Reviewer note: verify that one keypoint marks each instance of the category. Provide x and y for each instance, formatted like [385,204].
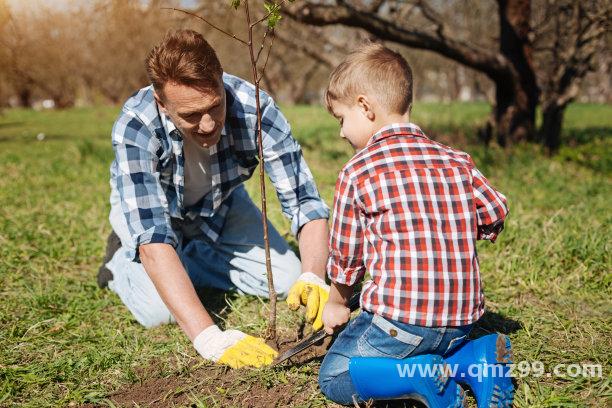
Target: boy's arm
[345,263]
[491,207]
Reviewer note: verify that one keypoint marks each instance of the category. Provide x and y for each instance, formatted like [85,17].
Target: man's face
[199,114]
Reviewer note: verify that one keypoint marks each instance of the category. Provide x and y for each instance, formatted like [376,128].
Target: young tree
[255,50]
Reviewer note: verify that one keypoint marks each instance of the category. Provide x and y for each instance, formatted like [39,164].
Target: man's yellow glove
[313,292]
[233,347]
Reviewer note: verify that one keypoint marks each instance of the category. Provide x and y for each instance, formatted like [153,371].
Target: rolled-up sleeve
[143,201]
[491,207]
[288,171]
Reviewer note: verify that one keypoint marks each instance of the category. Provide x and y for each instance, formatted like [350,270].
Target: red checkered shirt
[408,211]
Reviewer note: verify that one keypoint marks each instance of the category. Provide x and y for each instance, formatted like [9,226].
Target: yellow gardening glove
[233,347]
[311,291]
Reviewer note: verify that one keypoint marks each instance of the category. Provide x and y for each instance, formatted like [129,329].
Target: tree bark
[511,68]
[516,94]
[552,122]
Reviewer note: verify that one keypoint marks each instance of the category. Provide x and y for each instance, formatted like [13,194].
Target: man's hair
[375,71]
[184,57]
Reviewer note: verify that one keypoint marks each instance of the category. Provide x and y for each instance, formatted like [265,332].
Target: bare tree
[418,24]
[570,34]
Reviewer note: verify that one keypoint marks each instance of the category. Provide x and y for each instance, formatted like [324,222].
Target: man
[183,148]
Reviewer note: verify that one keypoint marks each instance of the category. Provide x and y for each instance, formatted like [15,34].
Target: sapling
[271,18]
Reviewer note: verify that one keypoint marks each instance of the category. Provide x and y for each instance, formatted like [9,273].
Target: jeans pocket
[454,343]
[384,339]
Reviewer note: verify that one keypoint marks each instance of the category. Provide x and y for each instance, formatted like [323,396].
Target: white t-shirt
[198,180]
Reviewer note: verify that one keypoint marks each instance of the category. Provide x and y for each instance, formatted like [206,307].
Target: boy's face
[355,126]
[198,114]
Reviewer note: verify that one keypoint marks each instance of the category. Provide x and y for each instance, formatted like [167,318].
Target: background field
[65,342]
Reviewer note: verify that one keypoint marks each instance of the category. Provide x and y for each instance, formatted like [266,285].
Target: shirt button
[393,333]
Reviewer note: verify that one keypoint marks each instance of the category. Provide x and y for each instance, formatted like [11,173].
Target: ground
[64,342]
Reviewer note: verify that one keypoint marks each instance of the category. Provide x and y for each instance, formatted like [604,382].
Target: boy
[408,211]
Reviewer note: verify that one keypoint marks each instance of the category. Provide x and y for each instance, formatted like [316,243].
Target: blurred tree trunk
[573,33]
[510,68]
[509,60]
[517,93]
[25,98]
[552,119]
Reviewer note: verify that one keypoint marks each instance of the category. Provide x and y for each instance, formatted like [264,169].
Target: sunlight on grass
[62,340]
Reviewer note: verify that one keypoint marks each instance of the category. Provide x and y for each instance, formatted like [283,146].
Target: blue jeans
[370,335]
[236,261]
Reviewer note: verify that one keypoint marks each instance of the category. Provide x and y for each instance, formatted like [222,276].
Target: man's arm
[170,278]
[144,204]
[313,247]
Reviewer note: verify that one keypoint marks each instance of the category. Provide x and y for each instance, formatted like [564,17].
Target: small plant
[271,19]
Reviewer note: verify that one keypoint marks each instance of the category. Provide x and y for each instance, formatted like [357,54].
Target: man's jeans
[235,262]
[370,335]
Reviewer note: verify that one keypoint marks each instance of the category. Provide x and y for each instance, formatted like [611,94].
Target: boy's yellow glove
[311,291]
[233,347]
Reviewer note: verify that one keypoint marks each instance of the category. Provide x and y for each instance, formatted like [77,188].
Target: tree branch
[264,18]
[492,64]
[207,22]
[267,57]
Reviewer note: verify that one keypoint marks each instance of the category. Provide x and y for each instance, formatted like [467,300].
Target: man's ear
[365,106]
[160,102]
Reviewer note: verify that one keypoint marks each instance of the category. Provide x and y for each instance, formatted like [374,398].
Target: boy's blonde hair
[376,71]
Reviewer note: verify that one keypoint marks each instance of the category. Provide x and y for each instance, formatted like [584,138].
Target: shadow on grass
[579,136]
[216,302]
[492,322]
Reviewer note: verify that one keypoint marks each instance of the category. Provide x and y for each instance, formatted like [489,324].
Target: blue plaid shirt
[148,170]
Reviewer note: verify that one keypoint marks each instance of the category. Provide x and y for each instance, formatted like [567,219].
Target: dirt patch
[290,384]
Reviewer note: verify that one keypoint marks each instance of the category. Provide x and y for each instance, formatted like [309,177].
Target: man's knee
[153,316]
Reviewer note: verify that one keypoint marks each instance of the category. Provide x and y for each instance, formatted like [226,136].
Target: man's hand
[334,316]
[233,347]
[311,291]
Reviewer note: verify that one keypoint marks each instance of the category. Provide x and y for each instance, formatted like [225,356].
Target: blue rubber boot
[483,365]
[422,378]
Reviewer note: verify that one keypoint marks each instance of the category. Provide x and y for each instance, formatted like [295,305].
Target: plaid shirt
[408,211]
[148,170]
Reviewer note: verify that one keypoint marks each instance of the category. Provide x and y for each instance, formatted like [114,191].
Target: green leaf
[235,4]
[274,10]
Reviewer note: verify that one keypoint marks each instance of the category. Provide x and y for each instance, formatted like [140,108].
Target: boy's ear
[366,107]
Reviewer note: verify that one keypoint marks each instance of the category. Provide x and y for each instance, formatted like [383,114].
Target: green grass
[63,341]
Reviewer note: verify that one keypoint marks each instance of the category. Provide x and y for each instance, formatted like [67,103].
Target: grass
[63,342]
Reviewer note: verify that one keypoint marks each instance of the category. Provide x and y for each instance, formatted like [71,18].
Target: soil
[222,386]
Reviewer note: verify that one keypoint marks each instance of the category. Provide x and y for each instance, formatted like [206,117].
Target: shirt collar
[168,125]
[395,129]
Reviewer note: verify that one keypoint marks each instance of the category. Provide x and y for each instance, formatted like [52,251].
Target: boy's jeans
[235,262]
[370,335]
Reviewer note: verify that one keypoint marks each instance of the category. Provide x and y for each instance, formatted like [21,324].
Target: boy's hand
[312,292]
[334,316]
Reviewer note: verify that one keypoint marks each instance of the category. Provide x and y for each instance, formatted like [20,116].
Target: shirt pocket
[384,339]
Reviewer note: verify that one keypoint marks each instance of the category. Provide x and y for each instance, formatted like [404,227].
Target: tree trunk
[517,91]
[552,122]
[25,98]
